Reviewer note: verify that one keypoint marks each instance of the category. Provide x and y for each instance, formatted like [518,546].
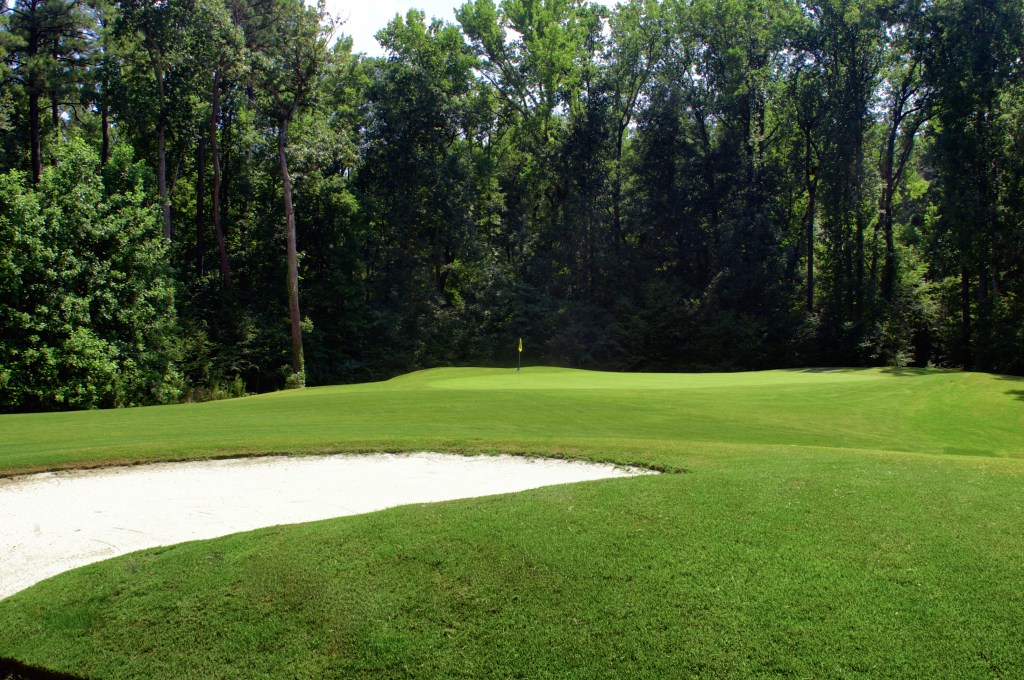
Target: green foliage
[972,62]
[715,183]
[295,381]
[87,308]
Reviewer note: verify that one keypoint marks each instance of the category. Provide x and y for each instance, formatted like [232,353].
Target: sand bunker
[53,522]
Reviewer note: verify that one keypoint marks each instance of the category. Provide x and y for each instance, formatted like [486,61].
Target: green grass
[655,419]
[837,523]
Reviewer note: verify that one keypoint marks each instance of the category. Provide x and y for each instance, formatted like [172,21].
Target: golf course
[807,523]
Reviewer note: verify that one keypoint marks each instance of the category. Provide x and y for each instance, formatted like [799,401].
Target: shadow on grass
[12,669]
[1018,394]
[907,372]
[899,371]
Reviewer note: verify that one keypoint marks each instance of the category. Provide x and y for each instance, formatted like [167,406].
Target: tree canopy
[662,185]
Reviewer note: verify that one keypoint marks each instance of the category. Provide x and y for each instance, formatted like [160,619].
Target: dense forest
[201,198]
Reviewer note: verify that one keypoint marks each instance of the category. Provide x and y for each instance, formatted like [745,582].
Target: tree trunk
[812,188]
[161,153]
[617,236]
[859,226]
[709,179]
[200,206]
[105,99]
[893,164]
[224,166]
[435,260]
[161,178]
[105,115]
[298,361]
[35,134]
[889,264]
[222,248]
[34,87]
[55,117]
[965,318]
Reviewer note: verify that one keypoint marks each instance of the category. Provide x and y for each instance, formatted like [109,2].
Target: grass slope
[646,418]
[829,525]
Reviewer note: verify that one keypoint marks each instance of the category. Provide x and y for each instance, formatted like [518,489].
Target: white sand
[53,522]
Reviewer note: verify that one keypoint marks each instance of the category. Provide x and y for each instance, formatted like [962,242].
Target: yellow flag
[520,345]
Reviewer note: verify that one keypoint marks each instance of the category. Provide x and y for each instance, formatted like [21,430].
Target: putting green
[546,378]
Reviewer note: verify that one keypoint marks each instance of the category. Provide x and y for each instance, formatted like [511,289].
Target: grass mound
[653,419]
[830,524]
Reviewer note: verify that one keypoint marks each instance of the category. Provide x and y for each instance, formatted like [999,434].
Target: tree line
[201,198]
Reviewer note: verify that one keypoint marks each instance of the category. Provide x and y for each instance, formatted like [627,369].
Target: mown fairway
[816,523]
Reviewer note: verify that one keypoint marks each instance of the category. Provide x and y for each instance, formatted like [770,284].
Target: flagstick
[519,355]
